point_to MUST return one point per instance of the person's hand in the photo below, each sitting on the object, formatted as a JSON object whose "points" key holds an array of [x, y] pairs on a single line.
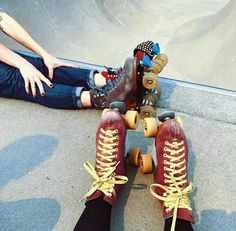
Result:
{"points": [[33, 78], [52, 62]]}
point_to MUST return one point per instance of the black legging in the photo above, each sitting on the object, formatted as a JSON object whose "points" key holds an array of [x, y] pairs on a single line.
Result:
{"points": [[97, 216]]}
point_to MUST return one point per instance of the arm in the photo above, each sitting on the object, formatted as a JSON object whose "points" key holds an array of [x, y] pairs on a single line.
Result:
{"points": [[14, 30], [30, 74]]}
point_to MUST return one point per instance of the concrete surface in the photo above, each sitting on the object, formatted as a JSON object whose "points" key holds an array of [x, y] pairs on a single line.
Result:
{"points": [[42, 150]]}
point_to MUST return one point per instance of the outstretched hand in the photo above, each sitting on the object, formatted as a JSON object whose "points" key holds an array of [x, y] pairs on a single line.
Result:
{"points": [[52, 62]]}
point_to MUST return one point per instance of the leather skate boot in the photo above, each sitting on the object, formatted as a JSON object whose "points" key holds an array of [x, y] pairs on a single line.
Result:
{"points": [[111, 73], [171, 186], [121, 89], [110, 169]]}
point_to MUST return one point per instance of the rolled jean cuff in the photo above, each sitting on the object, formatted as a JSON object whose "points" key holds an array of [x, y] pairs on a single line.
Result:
{"points": [[77, 97], [91, 82]]}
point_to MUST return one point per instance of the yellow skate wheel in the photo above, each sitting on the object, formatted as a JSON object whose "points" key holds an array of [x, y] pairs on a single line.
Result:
{"points": [[146, 165], [158, 64], [147, 111], [149, 80], [150, 127], [164, 58], [154, 69], [134, 156], [179, 121], [131, 118]]}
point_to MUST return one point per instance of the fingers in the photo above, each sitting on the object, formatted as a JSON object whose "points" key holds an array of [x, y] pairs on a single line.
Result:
{"points": [[70, 65], [33, 87], [50, 72], [36, 81], [27, 86], [46, 80], [64, 64], [40, 86]]}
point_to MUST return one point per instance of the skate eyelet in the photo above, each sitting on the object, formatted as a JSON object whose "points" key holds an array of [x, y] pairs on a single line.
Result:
{"points": [[116, 131], [116, 156], [117, 143], [165, 149], [167, 210], [165, 155], [117, 137], [166, 142], [116, 149], [165, 162]]}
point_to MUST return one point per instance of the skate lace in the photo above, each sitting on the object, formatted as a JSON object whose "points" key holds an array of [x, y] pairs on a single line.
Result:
{"points": [[104, 177], [175, 193]]}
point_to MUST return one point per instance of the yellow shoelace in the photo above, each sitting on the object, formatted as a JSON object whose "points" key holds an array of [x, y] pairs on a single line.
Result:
{"points": [[175, 195], [104, 178]]}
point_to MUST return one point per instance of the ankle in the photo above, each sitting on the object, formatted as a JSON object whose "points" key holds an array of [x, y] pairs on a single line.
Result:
{"points": [[99, 80], [85, 99]]}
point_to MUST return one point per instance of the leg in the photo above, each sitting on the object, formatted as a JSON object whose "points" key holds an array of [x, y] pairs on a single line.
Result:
{"points": [[171, 185], [181, 225], [79, 77], [108, 174], [60, 96], [96, 216]]}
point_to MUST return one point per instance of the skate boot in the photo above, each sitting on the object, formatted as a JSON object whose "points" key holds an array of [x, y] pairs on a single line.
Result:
{"points": [[121, 89], [171, 186], [109, 173], [111, 73]]}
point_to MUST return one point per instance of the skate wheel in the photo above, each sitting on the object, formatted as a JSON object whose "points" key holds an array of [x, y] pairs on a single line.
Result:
{"points": [[150, 99], [150, 127], [134, 156], [153, 69], [147, 111], [158, 64], [166, 115], [158, 92], [146, 163], [149, 80], [164, 58], [179, 121], [105, 111], [131, 118]]}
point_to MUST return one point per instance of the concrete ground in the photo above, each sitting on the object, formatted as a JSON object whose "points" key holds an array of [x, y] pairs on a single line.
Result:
{"points": [[42, 177]]}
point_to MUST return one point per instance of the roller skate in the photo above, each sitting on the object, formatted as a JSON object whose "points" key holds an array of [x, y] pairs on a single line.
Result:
{"points": [[171, 185], [109, 173], [111, 73], [149, 63], [121, 89]]}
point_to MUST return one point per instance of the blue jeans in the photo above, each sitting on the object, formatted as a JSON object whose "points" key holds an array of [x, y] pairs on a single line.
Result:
{"points": [[68, 83]]}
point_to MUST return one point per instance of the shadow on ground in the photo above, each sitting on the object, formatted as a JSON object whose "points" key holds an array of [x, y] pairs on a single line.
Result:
{"points": [[16, 160], [216, 220], [29, 215]]}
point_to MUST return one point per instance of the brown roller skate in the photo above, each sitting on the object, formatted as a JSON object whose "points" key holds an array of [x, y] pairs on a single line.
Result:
{"points": [[171, 185], [109, 173], [121, 89]]}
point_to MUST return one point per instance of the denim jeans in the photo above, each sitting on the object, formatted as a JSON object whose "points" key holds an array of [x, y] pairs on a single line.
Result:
{"points": [[68, 83]]}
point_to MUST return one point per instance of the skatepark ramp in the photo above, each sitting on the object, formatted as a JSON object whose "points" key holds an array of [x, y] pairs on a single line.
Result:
{"points": [[42, 150], [196, 35]]}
